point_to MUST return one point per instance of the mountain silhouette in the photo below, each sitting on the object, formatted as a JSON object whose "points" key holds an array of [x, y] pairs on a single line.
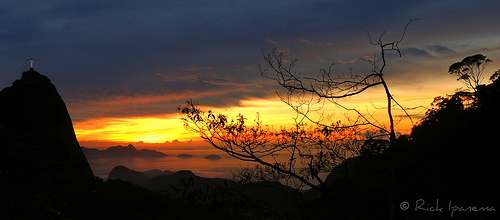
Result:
{"points": [[41, 160], [125, 174], [121, 151], [184, 156]]}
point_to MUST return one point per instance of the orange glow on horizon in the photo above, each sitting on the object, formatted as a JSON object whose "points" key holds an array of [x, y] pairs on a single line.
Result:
{"points": [[160, 129], [140, 129], [169, 127]]}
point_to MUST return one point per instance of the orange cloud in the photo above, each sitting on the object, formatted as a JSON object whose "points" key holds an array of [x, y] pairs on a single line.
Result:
{"points": [[305, 41], [145, 99], [139, 105], [340, 60], [272, 42], [321, 60], [278, 49]]}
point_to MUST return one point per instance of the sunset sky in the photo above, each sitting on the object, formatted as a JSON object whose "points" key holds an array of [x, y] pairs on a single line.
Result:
{"points": [[123, 67]]}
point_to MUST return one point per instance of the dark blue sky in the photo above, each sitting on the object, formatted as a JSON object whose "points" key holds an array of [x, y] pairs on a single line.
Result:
{"points": [[138, 58]]}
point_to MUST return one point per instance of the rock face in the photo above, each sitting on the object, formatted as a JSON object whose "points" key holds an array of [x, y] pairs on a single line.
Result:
{"points": [[39, 152]]}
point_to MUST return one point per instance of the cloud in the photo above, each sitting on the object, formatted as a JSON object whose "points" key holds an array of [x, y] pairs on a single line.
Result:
{"points": [[199, 75], [139, 97], [413, 51], [441, 49], [188, 74], [172, 77], [340, 60], [321, 60], [305, 41], [272, 42], [197, 68], [147, 104]]}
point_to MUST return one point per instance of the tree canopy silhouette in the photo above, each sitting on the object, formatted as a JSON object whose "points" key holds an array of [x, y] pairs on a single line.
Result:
{"points": [[461, 122], [470, 70]]}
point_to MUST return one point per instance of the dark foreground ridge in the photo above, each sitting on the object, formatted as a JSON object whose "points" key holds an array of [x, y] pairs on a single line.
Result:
{"points": [[261, 200]]}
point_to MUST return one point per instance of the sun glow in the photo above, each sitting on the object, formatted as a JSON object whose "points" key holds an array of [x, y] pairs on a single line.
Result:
{"points": [[169, 127], [142, 129]]}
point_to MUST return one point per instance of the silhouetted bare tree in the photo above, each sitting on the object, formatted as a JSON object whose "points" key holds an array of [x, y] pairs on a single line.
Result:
{"points": [[303, 153], [331, 87]]}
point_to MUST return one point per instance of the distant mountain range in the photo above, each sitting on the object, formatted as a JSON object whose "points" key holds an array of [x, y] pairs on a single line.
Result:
{"points": [[121, 151], [131, 151]]}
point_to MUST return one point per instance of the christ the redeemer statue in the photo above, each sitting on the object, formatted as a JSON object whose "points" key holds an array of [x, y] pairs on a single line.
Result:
{"points": [[31, 61]]}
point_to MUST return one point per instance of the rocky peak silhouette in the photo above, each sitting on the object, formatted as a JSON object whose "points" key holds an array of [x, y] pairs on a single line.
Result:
{"points": [[40, 156], [33, 109]]}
